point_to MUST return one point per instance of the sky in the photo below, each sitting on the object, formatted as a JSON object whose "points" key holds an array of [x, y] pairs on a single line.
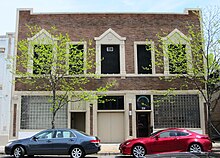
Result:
{"points": [[9, 7]]}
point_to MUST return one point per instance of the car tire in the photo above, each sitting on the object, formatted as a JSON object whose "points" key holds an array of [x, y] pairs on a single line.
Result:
{"points": [[195, 148], [77, 152], [138, 151], [18, 152]]}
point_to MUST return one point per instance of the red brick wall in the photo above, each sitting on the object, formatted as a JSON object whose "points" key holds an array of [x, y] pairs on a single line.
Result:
{"points": [[135, 27]]}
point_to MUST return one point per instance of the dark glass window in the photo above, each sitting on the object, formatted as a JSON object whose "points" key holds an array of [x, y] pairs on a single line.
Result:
{"points": [[110, 55], [43, 59], [76, 59], [144, 59], [111, 103], [143, 102], [177, 59]]}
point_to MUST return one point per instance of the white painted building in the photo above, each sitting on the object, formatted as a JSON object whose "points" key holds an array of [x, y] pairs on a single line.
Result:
{"points": [[6, 52]]}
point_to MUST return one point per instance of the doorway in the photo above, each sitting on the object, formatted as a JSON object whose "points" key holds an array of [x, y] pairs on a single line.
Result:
{"points": [[78, 121], [143, 124]]}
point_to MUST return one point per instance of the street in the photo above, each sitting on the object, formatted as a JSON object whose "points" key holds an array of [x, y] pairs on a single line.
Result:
{"points": [[174, 155]]}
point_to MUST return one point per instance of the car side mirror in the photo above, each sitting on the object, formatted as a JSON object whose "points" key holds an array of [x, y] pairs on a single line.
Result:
{"points": [[156, 137], [34, 138]]}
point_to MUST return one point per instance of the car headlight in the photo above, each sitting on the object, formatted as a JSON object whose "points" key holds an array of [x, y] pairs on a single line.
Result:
{"points": [[127, 143], [9, 143]]}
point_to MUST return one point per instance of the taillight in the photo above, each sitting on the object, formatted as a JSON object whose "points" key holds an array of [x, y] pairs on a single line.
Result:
{"points": [[95, 141]]}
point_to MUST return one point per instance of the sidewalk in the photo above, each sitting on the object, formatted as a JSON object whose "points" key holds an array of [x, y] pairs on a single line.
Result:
{"points": [[112, 149]]}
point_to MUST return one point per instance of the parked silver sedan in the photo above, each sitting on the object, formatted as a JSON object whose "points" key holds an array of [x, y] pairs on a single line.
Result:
{"points": [[55, 142]]}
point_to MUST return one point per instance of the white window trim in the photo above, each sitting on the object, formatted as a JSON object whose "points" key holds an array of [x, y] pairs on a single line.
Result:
{"points": [[84, 43], [176, 37], [41, 38], [110, 37], [152, 57]]}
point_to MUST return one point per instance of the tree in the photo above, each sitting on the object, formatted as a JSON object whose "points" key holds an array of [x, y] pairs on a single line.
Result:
{"points": [[194, 58], [48, 61]]}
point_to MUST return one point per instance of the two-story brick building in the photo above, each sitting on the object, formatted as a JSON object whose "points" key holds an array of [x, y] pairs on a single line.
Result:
{"points": [[121, 39]]}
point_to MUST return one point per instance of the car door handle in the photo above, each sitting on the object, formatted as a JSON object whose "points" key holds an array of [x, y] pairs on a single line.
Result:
{"points": [[49, 141], [71, 140]]}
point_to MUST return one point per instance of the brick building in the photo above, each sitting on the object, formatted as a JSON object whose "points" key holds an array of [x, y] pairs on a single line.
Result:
{"points": [[121, 39]]}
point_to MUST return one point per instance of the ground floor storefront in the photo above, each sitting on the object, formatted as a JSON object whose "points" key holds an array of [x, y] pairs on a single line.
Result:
{"points": [[114, 118]]}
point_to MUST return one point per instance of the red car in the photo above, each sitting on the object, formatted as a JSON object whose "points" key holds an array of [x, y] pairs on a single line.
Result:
{"points": [[167, 140]]}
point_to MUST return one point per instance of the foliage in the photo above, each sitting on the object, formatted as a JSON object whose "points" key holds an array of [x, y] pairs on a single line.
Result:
{"points": [[50, 62], [194, 58]]}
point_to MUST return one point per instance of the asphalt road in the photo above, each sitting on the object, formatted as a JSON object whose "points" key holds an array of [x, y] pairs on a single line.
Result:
{"points": [[174, 155]]}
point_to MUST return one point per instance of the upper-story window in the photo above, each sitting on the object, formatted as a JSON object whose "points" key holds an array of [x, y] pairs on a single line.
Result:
{"points": [[110, 57], [110, 63], [144, 57], [177, 53], [76, 58], [177, 59], [41, 53], [42, 59]]}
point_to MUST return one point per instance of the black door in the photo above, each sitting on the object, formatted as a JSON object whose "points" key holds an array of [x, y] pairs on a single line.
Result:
{"points": [[78, 121], [143, 124]]}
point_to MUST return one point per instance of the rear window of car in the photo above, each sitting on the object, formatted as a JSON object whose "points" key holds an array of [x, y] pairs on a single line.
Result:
{"points": [[179, 133]]}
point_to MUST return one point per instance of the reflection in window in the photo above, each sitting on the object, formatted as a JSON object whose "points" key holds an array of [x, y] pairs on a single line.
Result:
{"points": [[42, 59], [76, 59], [177, 59], [111, 103], [45, 135], [143, 102], [144, 59]]}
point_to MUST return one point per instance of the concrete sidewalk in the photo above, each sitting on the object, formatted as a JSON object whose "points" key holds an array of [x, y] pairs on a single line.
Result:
{"points": [[112, 149]]}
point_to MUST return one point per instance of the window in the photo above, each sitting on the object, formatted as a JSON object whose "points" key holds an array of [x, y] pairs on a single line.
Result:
{"points": [[110, 56], [110, 59], [179, 133], [177, 59], [36, 113], [41, 53], [168, 134], [144, 59], [176, 111], [177, 53], [45, 135], [143, 102], [111, 103], [64, 134], [76, 59], [2, 50], [43, 59]]}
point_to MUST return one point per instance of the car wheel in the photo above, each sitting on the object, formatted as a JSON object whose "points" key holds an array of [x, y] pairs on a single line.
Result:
{"points": [[195, 148], [138, 151], [77, 152], [18, 152]]}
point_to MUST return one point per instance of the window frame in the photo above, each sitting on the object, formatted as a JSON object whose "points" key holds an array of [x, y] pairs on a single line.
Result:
{"points": [[110, 37], [176, 37], [41, 38], [151, 43]]}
